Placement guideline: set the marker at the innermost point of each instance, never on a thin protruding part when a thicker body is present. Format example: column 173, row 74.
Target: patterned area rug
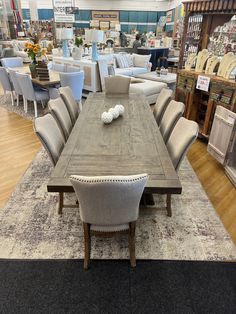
column 5, row 102
column 31, row 227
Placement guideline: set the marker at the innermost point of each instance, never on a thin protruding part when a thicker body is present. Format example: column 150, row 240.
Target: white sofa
column 149, row 88
column 132, row 66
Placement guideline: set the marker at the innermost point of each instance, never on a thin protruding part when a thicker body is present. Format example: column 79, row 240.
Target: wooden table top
column 132, row 144
column 54, row 77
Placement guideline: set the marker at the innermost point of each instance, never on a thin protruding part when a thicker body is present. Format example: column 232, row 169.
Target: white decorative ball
column 120, row 108
column 115, row 113
column 107, row 117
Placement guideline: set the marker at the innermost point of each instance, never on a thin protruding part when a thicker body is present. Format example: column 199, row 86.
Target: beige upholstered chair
column 52, row 139
column 109, row 204
column 172, row 114
column 117, row 84
column 59, row 111
column 162, row 102
column 70, row 102
column 50, row 135
column 182, row 137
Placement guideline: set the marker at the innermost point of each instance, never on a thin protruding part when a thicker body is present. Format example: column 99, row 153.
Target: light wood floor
column 19, row 145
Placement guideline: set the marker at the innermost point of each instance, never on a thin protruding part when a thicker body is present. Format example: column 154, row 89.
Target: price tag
column 203, row 83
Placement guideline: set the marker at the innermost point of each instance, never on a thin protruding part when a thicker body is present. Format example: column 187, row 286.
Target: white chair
column 75, row 81
column 31, row 94
column 171, row 115
column 117, row 84
column 59, row 111
column 15, row 62
column 109, row 204
column 6, row 84
column 71, row 104
column 16, row 85
column 162, row 102
column 182, row 137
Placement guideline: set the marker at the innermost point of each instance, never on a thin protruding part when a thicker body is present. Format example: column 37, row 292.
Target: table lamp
column 66, row 34
column 94, row 36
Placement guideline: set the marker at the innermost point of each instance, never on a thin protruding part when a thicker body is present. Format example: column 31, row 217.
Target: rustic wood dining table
column 131, row 144
column 54, row 77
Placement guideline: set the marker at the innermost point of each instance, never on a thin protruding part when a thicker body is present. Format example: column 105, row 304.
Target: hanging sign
column 105, row 15
column 61, row 13
column 203, row 83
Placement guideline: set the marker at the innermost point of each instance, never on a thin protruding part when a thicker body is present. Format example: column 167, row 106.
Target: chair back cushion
column 5, row 80
column 109, row 200
column 172, row 114
column 12, row 62
column 13, row 78
column 103, row 71
column 75, row 81
column 26, row 86
column 162, row 102
column 117, row 84
column 50, row 136
column 59, row 111
column 71, row 104
column 184, row 134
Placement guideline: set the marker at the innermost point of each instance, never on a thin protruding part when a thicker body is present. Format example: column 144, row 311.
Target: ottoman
column 150, row 89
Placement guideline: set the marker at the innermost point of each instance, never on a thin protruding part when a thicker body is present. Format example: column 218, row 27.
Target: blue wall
column 26, row 14
column 45, row 14
column 146, row 20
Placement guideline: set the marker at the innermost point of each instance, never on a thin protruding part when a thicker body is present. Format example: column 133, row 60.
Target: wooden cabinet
column 200, row 106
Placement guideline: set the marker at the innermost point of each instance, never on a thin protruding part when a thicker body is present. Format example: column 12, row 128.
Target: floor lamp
column 94, row 36
column 66, row 34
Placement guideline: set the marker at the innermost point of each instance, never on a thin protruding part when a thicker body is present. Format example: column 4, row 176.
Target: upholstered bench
column 150, row 89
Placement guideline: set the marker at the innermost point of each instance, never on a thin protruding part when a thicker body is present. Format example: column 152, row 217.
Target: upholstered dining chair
column 6, row 83
column 16, row 85
column 162, row 102
column 52, row 139
column 15, row 62
column 60, row 112
column 75, row 80
column 31, row 94
column 117, row 84
column 170, row 117
column 109, row 204
column 182, row 137
column 69, row 100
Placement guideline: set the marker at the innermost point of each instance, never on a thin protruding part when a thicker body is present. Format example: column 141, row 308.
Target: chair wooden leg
column 17, row 100
column 168, row 205
column 132, row 226
column 60, row 205
column 25, row 104
column 87, row 245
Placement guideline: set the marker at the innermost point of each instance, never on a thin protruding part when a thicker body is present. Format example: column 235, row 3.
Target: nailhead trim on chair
column 107, row 180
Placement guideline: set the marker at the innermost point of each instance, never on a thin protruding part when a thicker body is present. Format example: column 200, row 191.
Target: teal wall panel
column 83, row 15
column 45, row 14
column 26, row 14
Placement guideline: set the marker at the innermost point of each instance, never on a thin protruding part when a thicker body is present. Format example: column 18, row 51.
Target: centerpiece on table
column 78, row 49
column 34, row 51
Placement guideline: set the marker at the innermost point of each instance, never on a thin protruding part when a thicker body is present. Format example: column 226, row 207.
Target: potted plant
column 78, row 49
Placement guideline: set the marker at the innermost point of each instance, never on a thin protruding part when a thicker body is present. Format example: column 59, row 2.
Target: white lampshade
column 94, row 35
column 67, row 33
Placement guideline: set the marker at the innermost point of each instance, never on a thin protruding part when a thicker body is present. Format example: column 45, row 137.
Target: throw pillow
column 141, row 60
column 122, row 61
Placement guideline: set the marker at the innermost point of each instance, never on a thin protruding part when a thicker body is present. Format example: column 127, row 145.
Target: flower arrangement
column 34, row 50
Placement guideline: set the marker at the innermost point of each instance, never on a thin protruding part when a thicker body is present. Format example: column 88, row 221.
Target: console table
column 90, row 68
column 200, row 105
